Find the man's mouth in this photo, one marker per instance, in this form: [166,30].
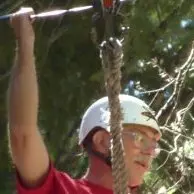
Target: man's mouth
[143,165]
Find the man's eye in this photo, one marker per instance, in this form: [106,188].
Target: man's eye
[139,138]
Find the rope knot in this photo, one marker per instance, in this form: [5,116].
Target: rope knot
[111,54]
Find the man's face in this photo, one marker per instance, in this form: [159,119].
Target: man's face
[140,144]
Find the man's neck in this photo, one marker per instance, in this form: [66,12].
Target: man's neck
[99,173]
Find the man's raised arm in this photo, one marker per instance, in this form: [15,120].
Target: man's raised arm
[28,151]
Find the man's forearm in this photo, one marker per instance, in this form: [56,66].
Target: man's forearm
[23,91]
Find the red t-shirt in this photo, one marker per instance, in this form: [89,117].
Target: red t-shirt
[60,183]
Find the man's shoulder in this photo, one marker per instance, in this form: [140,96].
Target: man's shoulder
[78,185]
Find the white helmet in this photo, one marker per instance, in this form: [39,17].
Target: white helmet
[134,111]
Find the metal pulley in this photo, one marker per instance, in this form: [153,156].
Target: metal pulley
[104,20]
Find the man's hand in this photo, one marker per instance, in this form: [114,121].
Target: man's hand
[22,24]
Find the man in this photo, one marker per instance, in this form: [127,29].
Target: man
[35,171]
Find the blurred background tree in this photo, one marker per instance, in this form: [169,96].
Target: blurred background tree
[158,68]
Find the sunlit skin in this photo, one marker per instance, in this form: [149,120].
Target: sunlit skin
[137,160]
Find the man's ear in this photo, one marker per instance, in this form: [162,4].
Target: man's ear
[101,142]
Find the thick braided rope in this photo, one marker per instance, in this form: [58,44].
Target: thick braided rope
[112,55]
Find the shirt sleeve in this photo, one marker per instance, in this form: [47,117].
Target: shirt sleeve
[44,188]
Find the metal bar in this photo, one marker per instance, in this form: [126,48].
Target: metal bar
[53,12]
[4,17]
[58,12]
[61,12]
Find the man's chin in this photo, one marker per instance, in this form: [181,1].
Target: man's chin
[136,175]
[135,182]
